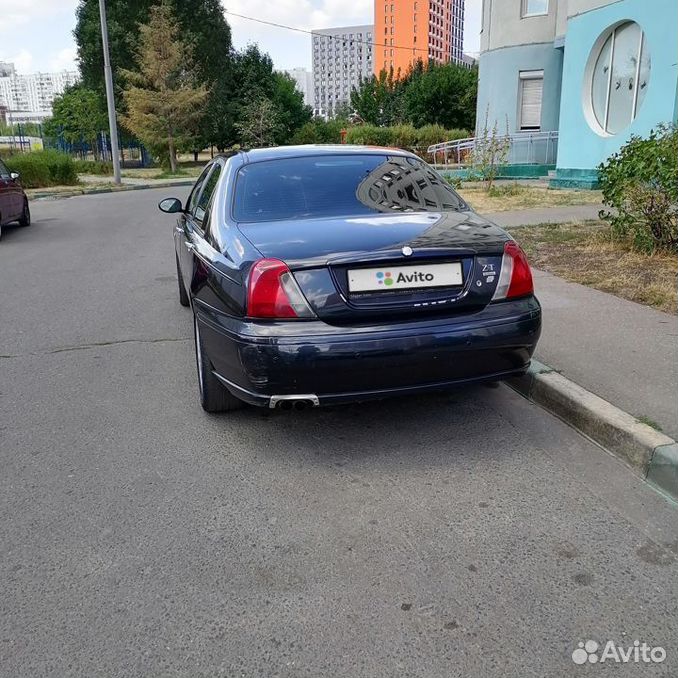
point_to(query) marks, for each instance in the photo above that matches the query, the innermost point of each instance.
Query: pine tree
(164, 105)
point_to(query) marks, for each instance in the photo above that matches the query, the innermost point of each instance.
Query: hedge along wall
(403, 136)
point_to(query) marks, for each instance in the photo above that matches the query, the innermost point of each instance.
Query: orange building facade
(408, 30)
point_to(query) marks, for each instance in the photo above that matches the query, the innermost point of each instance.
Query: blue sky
(37, 34)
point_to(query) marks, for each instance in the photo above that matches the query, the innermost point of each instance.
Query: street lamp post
(110, 101)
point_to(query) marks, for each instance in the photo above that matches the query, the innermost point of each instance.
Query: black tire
(183, 296)
(25, 219)
(214, 396)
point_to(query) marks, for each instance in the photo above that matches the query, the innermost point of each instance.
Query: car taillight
(515, 279)
(273, 293)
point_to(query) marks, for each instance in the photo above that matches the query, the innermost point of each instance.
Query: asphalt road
(469, 534)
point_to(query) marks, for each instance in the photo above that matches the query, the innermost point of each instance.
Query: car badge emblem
(407, 251)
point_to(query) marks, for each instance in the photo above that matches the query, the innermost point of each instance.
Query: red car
(13, 200)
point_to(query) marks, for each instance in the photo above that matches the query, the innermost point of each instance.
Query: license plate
(404, 277)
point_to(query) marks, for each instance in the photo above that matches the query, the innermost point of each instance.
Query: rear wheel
(214, 396)
(25, 219)
(183, 296)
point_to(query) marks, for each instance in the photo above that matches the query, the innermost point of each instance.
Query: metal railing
(525, 148)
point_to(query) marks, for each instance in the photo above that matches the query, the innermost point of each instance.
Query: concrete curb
(120, 189)
(649, 453)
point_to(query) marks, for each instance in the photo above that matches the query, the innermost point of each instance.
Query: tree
(255, 81)
(164, 105)
(378, 99)
(202, 27)
(433, 94)
(289, 102)
(78, 116)
(260, 124)
(442, 94)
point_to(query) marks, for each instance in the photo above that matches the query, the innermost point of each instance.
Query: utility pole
(108, 75)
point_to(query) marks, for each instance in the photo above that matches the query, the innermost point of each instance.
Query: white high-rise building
(304, 80)
(342, 57)
(32, 95)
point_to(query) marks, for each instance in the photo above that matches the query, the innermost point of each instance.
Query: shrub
(437, 134)
(506, 190)
(44, 168)
(319, 131)
(99, 167)
(370, 135)
(403, 136)
(491, 150)
(455, 182)
(640, 183)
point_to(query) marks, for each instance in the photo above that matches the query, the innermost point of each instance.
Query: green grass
(649, 422)
(586, 253)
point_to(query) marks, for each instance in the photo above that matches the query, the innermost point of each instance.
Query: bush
(319, 131)
(370, 135)
(99, 167)
(403, 136)
(44, 168)
(640, 183)
(437, 134)
(506, 190)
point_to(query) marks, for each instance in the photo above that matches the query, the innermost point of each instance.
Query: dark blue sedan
(323, 274)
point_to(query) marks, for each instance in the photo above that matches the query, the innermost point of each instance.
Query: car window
(195, 193)
(207, 192)
(4, 172)
(342, 184)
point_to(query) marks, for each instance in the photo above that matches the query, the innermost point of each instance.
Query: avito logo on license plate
(404, 277)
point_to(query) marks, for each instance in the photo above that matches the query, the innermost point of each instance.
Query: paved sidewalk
(622, 351)
(544, 215)
(90, 179)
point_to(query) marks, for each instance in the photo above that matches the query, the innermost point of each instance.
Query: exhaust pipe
(294, 402)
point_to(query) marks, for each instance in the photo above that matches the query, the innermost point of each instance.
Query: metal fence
(132, 153)
(525, 148)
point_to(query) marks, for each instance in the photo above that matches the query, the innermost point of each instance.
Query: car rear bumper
(257, 361)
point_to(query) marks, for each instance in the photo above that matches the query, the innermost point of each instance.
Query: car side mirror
(170, 205)
(14, 176)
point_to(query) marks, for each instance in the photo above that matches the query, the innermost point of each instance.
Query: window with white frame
(619, 78)
(534, 7)
(531, 89)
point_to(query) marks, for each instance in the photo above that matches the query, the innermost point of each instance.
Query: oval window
(619, 78)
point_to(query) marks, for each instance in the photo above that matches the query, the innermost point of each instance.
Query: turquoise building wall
(581, 149)
(498, 86)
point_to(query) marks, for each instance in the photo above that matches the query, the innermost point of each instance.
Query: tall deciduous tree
(378, 100)
(260, 123)
(289, 102)
(164, 105)
(441, 94)
(78, 116)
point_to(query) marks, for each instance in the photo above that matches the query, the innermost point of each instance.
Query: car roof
(310, 150)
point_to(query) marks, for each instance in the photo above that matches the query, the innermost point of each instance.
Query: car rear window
(339, 185)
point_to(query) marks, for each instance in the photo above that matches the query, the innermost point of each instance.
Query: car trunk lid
(439, 262)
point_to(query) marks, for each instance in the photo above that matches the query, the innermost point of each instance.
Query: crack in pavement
(96, 344)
